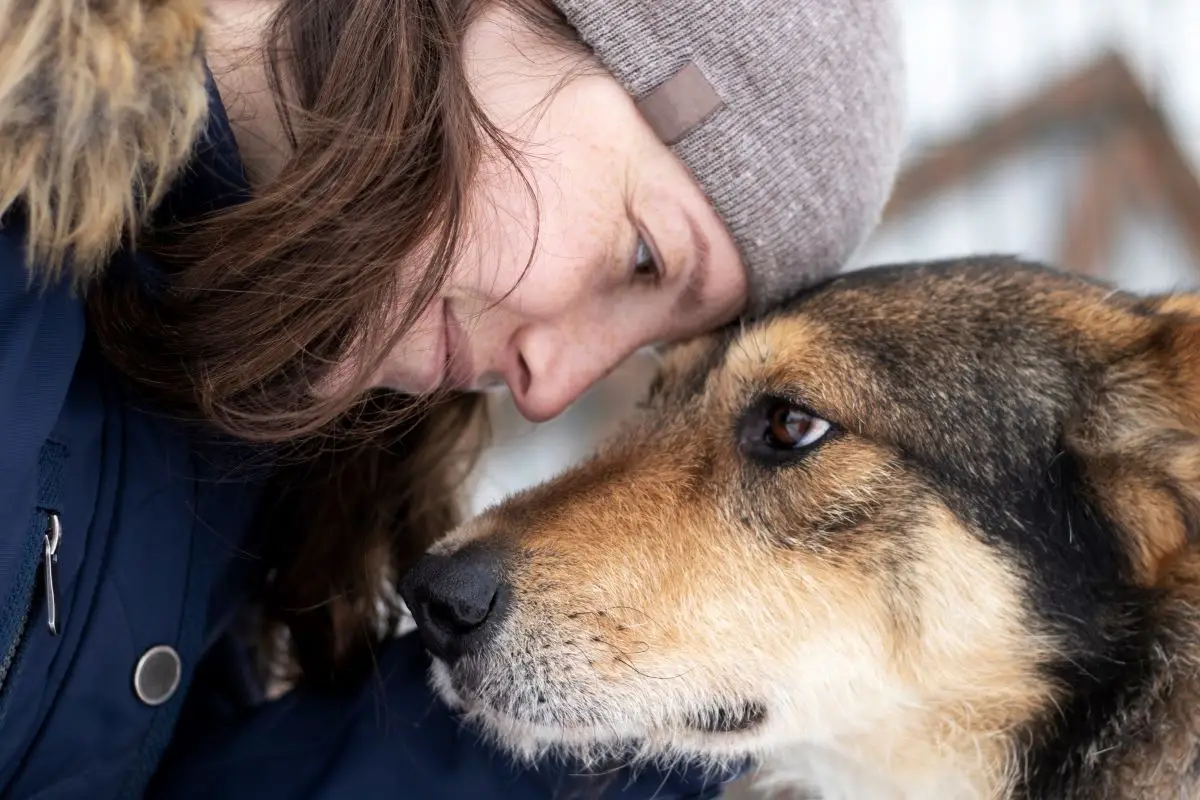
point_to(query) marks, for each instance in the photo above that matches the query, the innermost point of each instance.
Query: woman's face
(620, 250)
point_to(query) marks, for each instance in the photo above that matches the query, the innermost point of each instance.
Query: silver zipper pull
(50, 570)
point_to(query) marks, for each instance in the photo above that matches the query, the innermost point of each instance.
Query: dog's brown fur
(101, 102)
(986, 584)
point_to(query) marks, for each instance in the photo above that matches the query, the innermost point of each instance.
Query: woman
(257, 254)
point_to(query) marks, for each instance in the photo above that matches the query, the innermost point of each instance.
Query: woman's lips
(459, 371)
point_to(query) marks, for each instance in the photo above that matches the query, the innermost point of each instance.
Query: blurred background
(1061, 130)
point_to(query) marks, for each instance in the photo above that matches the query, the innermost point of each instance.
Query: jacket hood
(101, 102)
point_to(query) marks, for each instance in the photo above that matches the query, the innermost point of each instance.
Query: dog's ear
(1139, 432)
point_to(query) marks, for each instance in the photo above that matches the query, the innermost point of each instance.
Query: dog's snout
(457, 600)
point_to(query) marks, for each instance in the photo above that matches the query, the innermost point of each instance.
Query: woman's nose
(553, 370)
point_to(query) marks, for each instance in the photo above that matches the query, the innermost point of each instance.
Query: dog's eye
(776, 430)
(789, 428)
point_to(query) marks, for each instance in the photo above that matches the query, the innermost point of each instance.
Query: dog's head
(916, 499)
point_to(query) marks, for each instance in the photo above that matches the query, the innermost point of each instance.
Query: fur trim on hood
(101, 102)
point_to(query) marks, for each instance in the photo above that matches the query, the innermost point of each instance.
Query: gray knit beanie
(789, 113)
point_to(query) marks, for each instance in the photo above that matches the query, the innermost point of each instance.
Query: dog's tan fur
(101, 102)
(862, 598)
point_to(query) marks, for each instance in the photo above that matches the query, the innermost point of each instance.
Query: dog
(923, 531)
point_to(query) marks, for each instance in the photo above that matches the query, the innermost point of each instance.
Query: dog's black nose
(457, 600)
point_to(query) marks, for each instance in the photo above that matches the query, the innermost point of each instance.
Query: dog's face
(896, 504)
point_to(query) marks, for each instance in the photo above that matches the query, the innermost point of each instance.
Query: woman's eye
(645, 266)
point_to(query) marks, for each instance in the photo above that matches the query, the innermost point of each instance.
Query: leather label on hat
(681, 103)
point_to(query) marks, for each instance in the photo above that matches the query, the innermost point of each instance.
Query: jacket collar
(212, 181)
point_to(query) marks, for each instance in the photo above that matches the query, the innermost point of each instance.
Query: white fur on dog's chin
(591, 746)
(783, 763)
(830, 775)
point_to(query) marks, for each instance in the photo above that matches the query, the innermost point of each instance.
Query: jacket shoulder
(41, 333)
(42, 330)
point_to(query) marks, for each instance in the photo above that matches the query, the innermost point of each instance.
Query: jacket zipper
(51, 540)
(50, 543)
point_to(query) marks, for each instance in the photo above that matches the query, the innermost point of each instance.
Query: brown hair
(362, 221)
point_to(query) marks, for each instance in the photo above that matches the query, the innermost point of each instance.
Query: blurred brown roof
(1131, 155)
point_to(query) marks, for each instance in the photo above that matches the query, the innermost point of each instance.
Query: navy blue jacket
(150, 553)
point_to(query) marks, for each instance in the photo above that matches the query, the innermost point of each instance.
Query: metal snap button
(156, 676)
